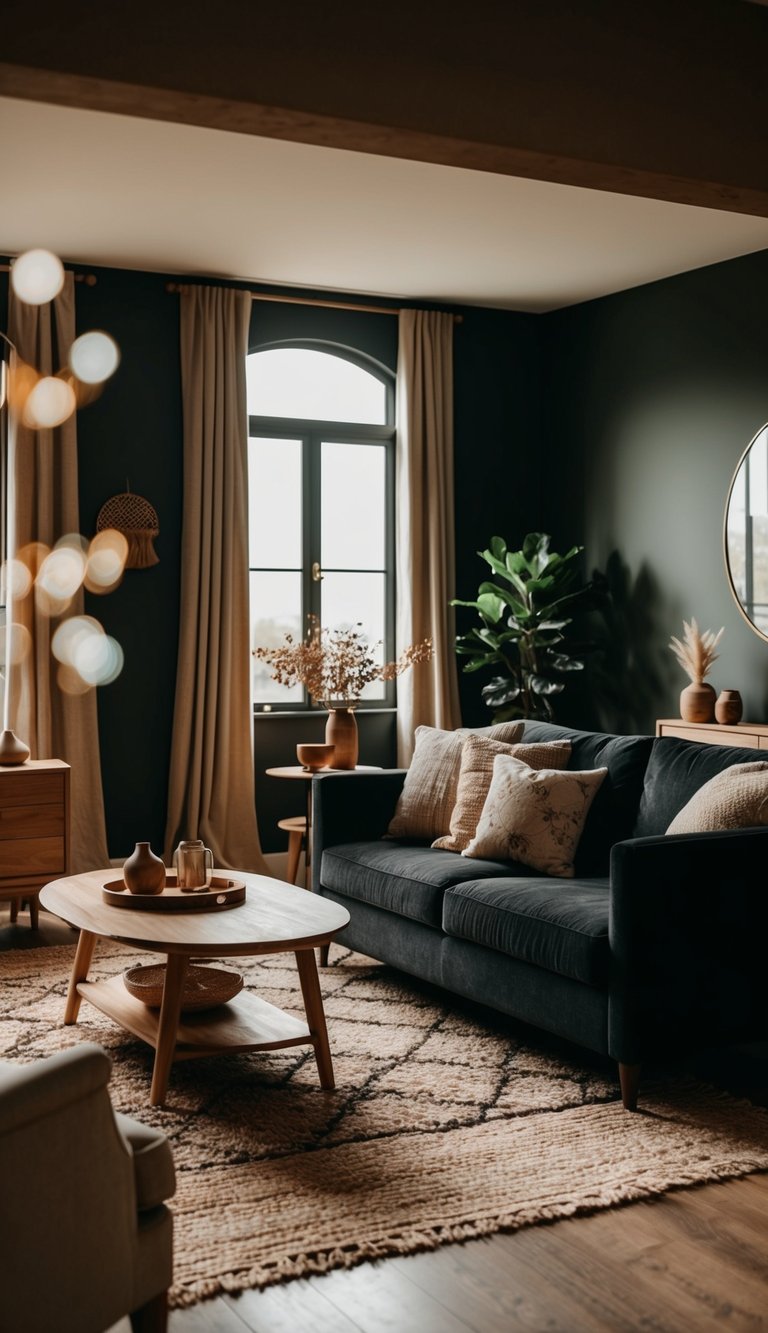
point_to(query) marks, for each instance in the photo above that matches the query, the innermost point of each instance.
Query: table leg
(83, 955)
(168, 1024)
(308, 839)
(34, 912)
(313, 1005)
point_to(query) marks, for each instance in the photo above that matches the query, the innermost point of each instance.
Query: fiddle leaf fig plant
(524, 616)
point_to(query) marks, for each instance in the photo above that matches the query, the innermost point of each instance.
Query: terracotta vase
(697, 702)
(144, 872)
(341, 733)
(728, 708)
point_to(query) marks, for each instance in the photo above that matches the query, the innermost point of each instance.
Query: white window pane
(357, 600)
(300, 382)
(274, 503)
(275, 612)
(353, 509)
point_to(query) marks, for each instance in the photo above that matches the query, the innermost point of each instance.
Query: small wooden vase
(341, 733)
(697, 703)
(728, 708)
(144, 872)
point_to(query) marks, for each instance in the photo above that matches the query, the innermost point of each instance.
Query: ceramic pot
(728, 708)
(144, 872)
(697, 703)
(341, 733)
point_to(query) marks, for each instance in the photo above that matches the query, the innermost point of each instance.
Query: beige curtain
(211, 786)
(428, 694)
(54, 725)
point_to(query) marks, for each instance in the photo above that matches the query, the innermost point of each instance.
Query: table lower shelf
(246, 1023)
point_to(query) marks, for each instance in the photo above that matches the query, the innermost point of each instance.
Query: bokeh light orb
(37, 276)
(16, 578)
(69, 682)
(50, 403)
(69, 633)
(62, 572)
(94, 357)
(107, 555)
(20, 644)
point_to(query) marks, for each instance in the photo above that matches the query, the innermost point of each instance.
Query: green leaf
(490, 605)
(542, 685)
(535, 545)
(499, 692)
(498, 548)
(562, 662)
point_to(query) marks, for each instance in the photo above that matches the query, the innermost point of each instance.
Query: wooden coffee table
(275, 918)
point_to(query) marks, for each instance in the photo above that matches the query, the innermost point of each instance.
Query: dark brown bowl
(313, 757)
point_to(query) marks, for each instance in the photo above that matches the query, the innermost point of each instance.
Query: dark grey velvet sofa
(656, 946)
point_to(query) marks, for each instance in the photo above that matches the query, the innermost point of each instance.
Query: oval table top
(296, 771)
(274, 917)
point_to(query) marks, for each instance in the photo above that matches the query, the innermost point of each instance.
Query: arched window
(321, 518)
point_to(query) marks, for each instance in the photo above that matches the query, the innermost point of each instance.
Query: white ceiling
(131, 193)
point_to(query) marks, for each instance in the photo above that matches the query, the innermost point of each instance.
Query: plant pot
(144, 872)
(341, 733)
(729, 708)
(697, 703)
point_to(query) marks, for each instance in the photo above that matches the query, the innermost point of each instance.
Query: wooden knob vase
(728, 708)
(144, 872)
(697, 703)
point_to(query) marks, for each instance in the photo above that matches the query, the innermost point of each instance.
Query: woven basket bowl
(204, 987)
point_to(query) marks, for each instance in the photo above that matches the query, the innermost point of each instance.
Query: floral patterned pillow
(534, 816)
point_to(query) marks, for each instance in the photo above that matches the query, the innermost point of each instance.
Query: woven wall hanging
(137, 519)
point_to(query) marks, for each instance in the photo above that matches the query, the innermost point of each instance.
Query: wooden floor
(693, 1261)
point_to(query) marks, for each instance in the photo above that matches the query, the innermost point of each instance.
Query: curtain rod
(303, 300)
(89, 279)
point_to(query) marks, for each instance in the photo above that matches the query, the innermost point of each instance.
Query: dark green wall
(650, 396)
(134, 432)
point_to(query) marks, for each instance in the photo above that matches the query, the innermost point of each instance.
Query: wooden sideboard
(34, 830)
(748, 735)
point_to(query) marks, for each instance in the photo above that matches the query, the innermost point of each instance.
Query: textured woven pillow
(535, 817)
(735, 798)
(477, 756)
(429, 793)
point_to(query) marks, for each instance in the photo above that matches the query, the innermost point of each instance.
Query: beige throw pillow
(429, 792)
(735, 798)
(475, 774)
(535, 817)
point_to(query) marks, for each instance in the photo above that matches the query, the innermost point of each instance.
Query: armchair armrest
(32, 1092)
(687, 929)
(351, 807)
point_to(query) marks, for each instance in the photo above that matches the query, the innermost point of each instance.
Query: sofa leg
(152, 1317)
(629, 1078)
(322, 954)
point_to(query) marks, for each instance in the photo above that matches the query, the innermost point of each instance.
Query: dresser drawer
(33, 787)
(31, 821)
(32, 856)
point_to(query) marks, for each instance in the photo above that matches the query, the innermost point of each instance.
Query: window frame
(313, 433)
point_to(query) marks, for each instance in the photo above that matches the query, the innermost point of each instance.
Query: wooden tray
(221, 894)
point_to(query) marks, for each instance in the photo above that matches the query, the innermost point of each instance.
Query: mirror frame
(731, 584)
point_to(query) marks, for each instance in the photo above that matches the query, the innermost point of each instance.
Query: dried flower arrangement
(696, 654)
(335, 665)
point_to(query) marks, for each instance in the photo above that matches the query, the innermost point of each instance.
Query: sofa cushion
(557, 926)
(407, 880)
(429, 792)
(735, 798)
(676, 771)
(534, 815)
(475, 774)
(614, 810)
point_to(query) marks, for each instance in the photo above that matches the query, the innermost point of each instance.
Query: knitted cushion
(735, 798)
(475, 774)
(426, 802)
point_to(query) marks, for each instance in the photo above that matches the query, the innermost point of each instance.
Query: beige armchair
(85, 1237)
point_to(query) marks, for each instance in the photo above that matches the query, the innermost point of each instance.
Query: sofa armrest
(687, 927)
(351, 807)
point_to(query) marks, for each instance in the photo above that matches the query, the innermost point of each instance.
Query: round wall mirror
(746, 533)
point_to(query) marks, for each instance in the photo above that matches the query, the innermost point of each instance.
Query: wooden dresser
(749, 735)
(34, 830)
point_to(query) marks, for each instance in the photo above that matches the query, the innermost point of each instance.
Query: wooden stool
(296, 828)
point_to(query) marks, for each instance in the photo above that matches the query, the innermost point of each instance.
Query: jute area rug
(441, 1127)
